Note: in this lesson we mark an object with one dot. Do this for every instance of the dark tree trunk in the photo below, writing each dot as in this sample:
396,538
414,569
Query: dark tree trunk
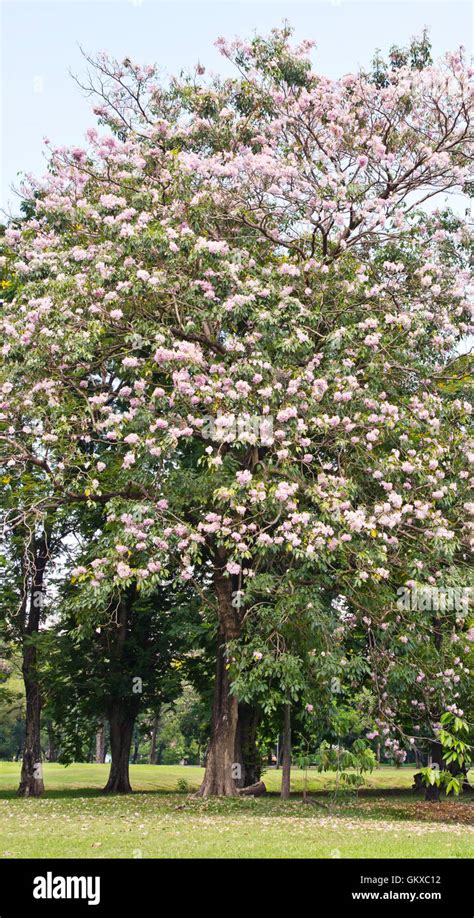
52,750
456,771
286,753
433,791
100,745
122,712
220,761
246,752
279,751
418,784
31,781
121,731
154,732
136,747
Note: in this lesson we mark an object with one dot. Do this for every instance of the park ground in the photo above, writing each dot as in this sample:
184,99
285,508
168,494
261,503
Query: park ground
162,819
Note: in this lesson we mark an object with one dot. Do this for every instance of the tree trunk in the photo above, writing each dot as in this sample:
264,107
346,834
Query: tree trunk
286,753
280,751
52,751
433,791
220,761
456,771
31,781
122,712
136,746
246,752
34,560
100,745
121,731
154,732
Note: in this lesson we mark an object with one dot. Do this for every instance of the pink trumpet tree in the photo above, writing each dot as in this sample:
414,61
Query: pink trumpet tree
230,320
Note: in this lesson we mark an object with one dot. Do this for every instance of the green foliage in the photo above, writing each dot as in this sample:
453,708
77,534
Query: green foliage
417,55
456,755
12,704
350,765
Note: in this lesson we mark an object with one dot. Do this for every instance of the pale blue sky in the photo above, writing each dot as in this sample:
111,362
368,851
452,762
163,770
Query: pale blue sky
40,45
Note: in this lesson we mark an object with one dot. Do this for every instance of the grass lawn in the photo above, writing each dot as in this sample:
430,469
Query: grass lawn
161,819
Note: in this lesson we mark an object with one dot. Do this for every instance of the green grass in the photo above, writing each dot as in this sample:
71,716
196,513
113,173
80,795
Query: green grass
74,820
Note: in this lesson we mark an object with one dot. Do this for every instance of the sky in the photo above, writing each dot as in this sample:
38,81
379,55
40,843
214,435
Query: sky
40,46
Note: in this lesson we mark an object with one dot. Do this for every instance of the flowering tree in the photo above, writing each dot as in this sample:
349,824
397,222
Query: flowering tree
234,328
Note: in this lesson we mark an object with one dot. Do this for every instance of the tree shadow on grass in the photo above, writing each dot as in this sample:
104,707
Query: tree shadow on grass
369,805
76,793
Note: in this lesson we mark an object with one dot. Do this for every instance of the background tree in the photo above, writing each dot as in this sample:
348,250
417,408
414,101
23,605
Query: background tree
115,663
